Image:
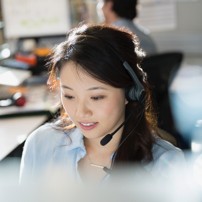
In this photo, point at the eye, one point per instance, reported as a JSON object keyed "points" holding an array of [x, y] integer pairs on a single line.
{"points": [[98, 97], [69, 97]]}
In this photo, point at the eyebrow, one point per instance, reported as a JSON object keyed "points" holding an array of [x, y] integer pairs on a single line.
{"points": [[92, 88]]}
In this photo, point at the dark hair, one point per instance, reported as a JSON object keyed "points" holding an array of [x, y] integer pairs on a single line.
{"points": [[90, 47], [125, 8]]}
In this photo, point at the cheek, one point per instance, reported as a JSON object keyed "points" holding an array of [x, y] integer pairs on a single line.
{"points": [[114, 107], [67, 106]]}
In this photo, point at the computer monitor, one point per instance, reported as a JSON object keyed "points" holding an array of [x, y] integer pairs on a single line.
{"points": [[35, 18]]}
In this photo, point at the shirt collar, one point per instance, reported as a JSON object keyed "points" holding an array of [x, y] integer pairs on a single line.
{"points": [[74, 139], [122, 22]]}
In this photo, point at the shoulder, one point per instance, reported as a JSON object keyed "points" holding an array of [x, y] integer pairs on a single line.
{"points": [[163, 147], [48, 137], [44, 133], [146, 41], [47, 146], [167, 158]]}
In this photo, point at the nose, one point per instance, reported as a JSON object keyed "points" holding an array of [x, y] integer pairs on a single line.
{"points": [[83, 110]]}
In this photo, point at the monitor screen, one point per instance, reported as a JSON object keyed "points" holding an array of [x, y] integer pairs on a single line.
{"points": [[35, 18]]}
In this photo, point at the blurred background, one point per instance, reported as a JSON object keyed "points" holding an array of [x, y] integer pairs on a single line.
{"points": [[174, 24]]}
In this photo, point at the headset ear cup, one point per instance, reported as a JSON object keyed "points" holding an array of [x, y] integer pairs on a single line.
{"points": [[131, 94]]}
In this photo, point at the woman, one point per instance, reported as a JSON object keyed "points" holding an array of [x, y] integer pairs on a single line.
{"points": [[108, 120]]}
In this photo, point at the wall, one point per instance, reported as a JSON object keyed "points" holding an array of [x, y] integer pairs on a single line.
{"points": [[188, 34]]}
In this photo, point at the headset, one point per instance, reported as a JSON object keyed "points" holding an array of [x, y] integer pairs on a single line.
{"points": [[134, 93], [137, 91]]}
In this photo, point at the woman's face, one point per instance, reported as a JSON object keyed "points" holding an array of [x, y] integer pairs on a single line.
{"points": [[95, 108]]}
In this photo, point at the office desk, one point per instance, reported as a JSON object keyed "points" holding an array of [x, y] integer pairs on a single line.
{"points": [[16, 123], [14, 131]]}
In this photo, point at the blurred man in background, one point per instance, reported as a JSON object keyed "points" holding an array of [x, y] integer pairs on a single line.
{"points": [[122, 13]]}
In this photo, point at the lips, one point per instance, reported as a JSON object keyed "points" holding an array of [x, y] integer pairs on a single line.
{"points": [[88, 125]]}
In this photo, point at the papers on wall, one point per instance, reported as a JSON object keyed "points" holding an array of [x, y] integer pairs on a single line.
{"points": [[157, 15]]}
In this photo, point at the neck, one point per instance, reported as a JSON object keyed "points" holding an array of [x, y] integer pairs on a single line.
{"points": [[112, 18]]}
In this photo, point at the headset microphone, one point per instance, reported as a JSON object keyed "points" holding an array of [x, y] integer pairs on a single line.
{"points": [[105, 140], [135, 93]]}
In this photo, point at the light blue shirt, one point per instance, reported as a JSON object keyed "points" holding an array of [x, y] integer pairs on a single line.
{"points": [[49, 147]]}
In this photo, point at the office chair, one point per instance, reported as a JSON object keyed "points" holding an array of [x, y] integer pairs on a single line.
{"points": [[161, 69]]}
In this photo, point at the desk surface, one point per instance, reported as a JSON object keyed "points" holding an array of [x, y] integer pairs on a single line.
{"points": [[14, 131]]}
